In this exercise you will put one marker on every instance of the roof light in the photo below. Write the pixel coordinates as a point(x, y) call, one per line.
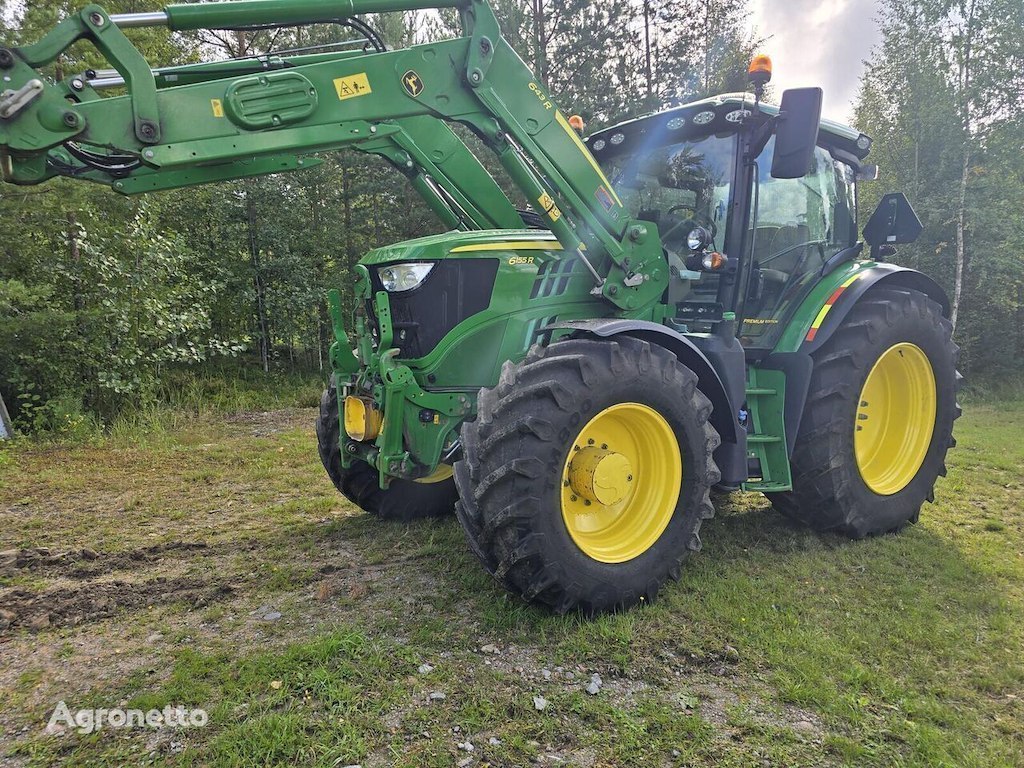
point(676, 123)
point(598, 145)
point(577, 123)
point(760, 69)
point(703, 118)
point(618, 138)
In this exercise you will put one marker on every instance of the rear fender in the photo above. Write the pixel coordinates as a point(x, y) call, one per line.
point(828, 314)
point(795, 357)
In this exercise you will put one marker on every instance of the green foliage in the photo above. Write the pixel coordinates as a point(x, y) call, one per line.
point(941, 97)
point(105, 301)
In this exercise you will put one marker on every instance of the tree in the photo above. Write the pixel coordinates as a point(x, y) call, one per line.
point(942, 95)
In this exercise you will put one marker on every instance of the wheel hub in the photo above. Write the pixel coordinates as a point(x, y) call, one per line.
point(620, 482)
point(600, 475)
point(895, 419)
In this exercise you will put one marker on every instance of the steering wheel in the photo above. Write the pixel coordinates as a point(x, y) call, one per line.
point(697, 219)
point(789, 279)
point(790, 249)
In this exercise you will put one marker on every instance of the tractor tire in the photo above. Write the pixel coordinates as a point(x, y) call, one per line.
point(404, 500)
point(878, 418)
point(549, 436)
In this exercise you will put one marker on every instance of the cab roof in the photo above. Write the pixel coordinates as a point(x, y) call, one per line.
point(715, 115)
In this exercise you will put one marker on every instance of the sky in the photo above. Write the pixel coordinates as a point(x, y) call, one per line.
point(818, 42)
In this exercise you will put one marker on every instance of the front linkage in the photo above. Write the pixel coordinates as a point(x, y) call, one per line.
point(405, 432)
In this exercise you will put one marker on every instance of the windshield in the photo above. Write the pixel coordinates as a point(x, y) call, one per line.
point(678, 186)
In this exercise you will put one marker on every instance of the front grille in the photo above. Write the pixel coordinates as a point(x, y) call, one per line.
point(454, 290)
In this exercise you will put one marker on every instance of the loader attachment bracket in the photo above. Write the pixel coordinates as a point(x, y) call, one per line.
point(94, 24)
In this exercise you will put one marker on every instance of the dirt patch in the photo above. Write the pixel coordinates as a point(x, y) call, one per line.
point(75, 605)
point(88, 563)
point(266, 423)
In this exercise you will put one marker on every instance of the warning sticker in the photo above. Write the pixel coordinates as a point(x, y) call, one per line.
point(352, 86)
point(547, 203)
point(218, 107)
point(604, 198)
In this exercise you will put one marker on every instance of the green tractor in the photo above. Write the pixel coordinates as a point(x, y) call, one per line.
point(687, 306)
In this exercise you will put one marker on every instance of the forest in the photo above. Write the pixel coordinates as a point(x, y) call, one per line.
point(108, 303)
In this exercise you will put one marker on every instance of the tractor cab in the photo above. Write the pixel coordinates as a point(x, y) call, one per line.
point(739, 238)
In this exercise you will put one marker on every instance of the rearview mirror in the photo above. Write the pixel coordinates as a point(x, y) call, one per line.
point(893, 222)
point(796, 132)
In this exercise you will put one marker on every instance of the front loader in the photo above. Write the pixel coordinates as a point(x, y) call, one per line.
point(686, 306)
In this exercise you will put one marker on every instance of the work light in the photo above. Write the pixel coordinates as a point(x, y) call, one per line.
point(698, 239)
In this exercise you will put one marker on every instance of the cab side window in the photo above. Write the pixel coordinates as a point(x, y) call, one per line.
point(798, 225)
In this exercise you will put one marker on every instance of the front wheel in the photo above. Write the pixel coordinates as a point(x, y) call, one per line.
point(878, 419)
point(586, 473)
point(432, 496)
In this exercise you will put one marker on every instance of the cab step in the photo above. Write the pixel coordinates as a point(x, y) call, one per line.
point(767, 452)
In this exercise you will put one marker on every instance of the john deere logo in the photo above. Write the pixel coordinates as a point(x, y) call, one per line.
point(412, 83)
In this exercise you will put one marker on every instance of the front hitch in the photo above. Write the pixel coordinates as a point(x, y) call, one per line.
point(417, 428)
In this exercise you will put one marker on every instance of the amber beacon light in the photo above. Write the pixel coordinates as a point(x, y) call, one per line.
point(760, 69)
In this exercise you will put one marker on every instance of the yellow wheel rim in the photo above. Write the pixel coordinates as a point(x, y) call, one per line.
point(621, 482)
point(442, 473)
point(895, 419)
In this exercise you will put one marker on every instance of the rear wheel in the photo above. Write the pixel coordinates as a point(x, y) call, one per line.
point(432, 496)
point(586, 473)
point(878, 420)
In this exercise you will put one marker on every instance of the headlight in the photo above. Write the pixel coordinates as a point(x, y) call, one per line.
point(698, 239)
point(403, 277)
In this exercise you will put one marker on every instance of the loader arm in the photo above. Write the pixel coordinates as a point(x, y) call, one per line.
point(222, 122)
point(451, 179)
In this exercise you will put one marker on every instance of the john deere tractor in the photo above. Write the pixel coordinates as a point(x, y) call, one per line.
point(686, 306)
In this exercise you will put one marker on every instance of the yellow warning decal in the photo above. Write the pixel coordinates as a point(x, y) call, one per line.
point(218, 107)
point(352, 86)
point(547, 204)
point(586, 153)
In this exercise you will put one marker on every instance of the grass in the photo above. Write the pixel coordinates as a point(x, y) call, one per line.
point(779, 647)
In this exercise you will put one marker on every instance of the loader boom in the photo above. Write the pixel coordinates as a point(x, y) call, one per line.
point(217, 122)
